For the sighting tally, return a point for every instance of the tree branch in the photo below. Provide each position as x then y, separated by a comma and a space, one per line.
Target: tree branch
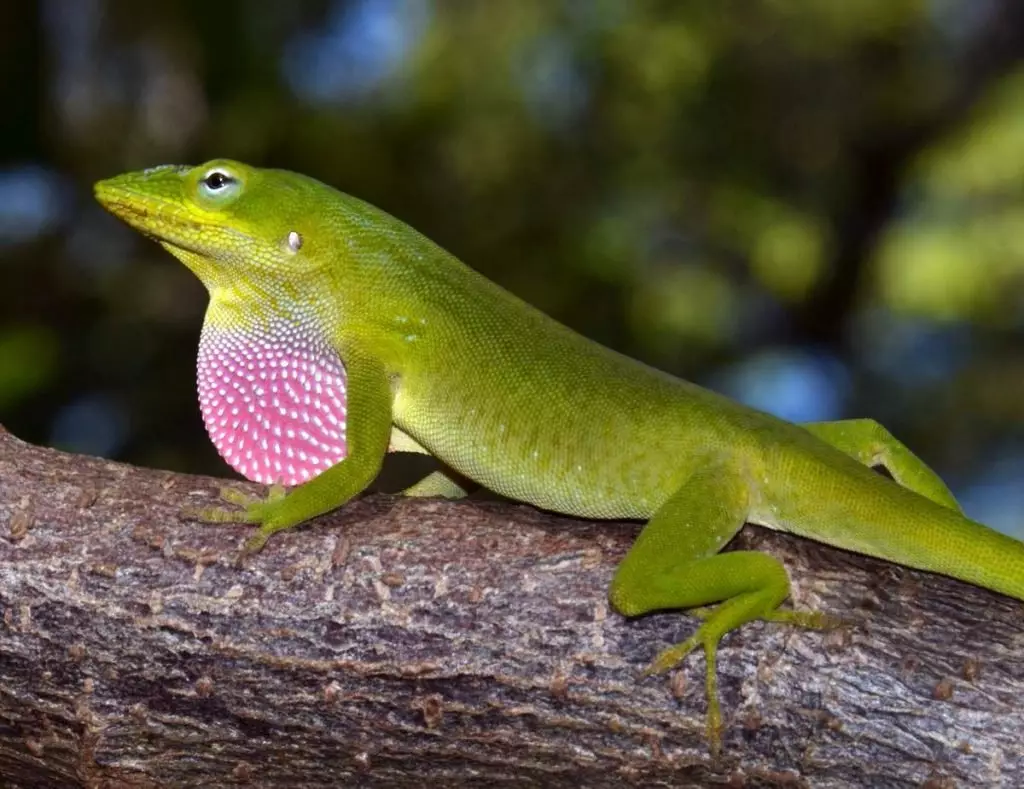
410, 643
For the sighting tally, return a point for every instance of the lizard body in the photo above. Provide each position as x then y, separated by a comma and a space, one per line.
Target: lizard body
334, 330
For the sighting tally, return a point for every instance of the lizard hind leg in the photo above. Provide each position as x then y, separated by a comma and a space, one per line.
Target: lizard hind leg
444, 482
675, 563
867, 442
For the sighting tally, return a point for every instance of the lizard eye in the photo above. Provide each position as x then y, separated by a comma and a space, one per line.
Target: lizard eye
217, 188
217, 180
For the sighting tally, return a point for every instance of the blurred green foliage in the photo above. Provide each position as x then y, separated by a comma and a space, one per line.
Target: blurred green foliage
813, 205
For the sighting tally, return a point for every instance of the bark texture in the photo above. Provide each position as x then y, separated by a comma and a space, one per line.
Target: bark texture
408, 642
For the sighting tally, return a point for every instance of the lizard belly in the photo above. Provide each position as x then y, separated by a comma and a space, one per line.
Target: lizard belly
573, 460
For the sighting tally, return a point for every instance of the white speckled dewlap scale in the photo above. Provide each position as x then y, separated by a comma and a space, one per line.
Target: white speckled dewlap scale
273, 402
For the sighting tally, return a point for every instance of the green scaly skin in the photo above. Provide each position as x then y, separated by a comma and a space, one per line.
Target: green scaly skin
443, 361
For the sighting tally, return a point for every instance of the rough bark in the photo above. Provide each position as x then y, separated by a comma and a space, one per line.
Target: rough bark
410, 643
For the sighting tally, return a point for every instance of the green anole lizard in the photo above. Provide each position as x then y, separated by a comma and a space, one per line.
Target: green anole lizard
335, 331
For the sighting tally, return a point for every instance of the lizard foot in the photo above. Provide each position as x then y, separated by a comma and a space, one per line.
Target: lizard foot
669, 658
255, 510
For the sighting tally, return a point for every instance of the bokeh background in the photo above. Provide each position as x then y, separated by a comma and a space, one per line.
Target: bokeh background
814, 206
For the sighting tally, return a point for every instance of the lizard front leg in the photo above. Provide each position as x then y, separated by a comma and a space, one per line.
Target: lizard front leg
368, 426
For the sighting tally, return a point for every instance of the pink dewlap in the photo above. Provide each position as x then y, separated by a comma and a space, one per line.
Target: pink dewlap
273, 403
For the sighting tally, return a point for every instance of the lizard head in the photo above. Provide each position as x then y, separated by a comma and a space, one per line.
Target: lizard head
272, 386
233, 225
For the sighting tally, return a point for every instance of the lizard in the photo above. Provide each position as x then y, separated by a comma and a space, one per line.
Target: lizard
335, 332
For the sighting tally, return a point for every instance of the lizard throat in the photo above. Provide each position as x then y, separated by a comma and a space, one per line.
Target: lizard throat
273, 400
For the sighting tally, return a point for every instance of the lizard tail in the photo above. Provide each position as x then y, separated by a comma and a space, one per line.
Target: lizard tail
860, 510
